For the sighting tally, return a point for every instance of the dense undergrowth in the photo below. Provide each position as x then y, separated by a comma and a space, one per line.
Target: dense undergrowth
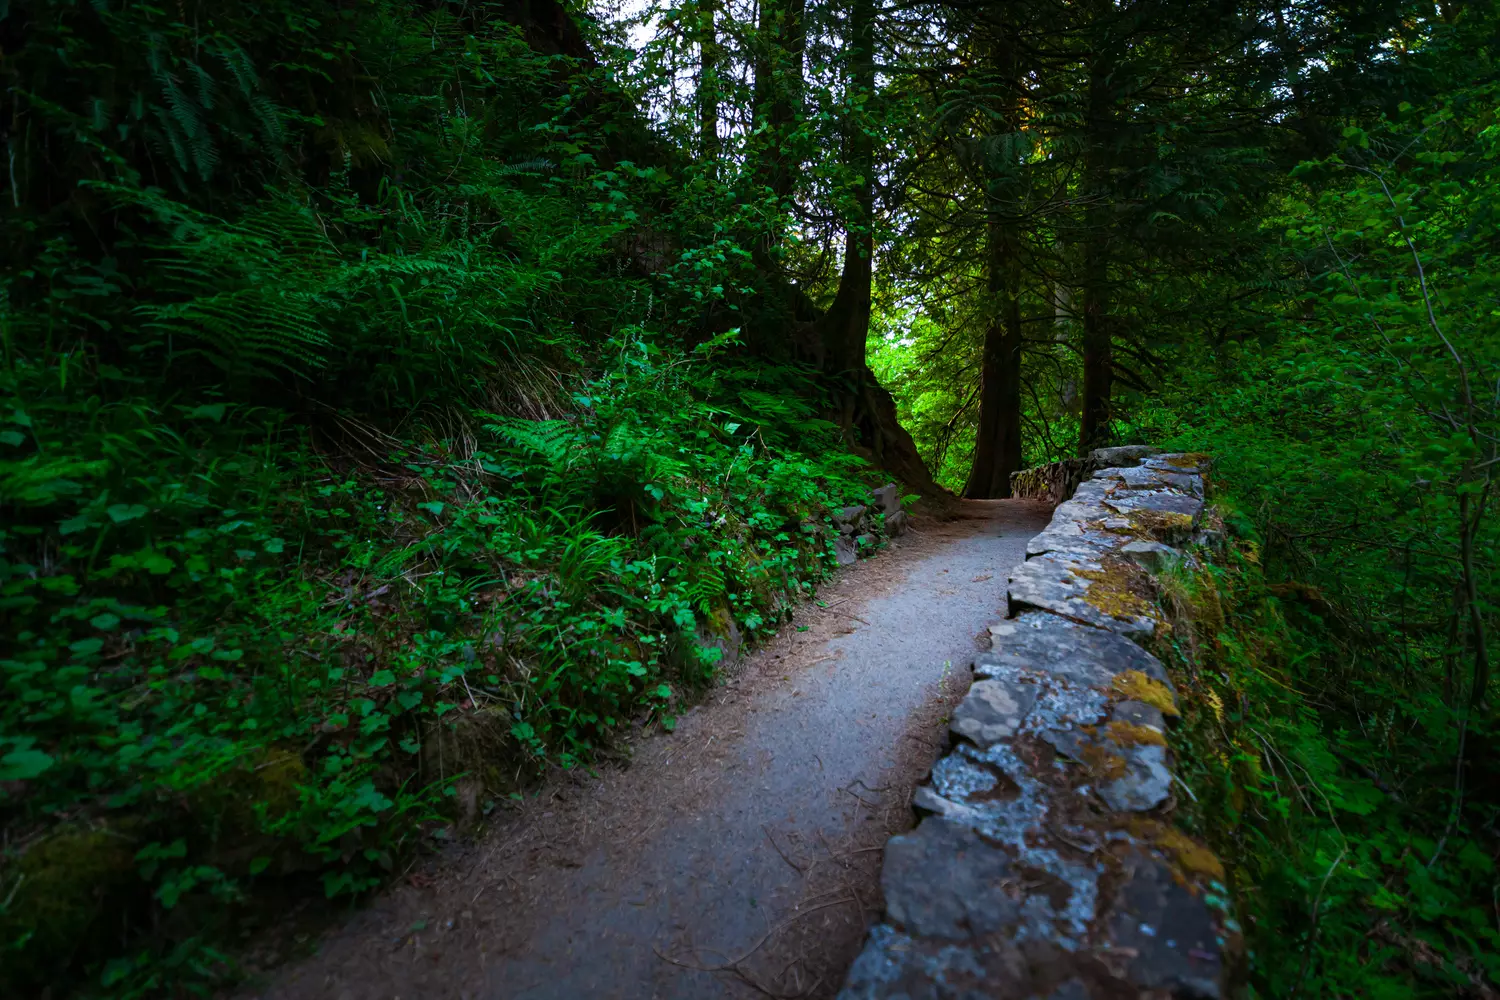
353, 469
1355, 873
1341, 659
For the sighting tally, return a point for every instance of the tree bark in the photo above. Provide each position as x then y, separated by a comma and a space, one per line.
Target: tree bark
1098, 361
867, 411
997, 443
1098, 348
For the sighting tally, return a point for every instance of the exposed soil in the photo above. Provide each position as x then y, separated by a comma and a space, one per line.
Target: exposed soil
735, 857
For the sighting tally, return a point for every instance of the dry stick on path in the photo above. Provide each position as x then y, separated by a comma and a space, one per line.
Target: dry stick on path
783, 925
795, 867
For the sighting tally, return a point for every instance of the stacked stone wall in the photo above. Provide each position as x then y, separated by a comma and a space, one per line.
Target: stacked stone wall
1045, 863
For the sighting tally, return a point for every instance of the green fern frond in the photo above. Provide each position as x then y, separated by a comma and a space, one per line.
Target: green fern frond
554, 441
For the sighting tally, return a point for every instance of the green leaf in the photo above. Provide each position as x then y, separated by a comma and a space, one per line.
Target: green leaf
382, 678
23, 765
156, 564
120, 513
208, 411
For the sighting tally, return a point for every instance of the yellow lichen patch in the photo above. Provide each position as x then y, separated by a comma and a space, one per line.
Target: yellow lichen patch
1103, 765
1129, 530
1162, 525
1188, 460
1193, 862
1128, 734
1133, 685
1192, 858
1110, 591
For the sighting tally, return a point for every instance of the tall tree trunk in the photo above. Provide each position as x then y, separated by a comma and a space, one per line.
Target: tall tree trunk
1098, 348
847, 323
710, 63
1098, 351
997, 443
868, 412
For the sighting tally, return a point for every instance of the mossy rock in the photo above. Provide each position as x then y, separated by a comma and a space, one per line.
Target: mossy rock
61, 891
235, 806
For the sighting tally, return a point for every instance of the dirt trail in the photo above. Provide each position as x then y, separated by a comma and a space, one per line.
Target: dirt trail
739, 855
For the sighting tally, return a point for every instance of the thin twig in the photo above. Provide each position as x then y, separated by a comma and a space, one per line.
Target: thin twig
734, 965
795, 867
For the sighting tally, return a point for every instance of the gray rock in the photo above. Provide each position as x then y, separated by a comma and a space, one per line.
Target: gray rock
897, 524
1043, 642
865, 544
1071, 537
993, 711
1073, 989
845, 551
1052, 582
1146, 783
1162, 501
1153, 556
1211, 539
888, 499
730, 643
941, 880
1138, 478
927, 801
1179, 462
1187, 482
1122, 455
1138, 713
896, 966
849, 515
1169, 931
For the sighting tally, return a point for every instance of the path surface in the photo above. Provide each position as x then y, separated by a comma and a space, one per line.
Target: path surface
736, 857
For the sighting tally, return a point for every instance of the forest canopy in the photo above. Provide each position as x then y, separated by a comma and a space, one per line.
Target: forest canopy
405, 397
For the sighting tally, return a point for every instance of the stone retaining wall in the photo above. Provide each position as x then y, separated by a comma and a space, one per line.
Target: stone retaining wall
1045, 863
1058, 480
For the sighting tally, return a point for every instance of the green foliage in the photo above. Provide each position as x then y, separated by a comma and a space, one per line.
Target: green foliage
1345, 728
345, 459
1326, 784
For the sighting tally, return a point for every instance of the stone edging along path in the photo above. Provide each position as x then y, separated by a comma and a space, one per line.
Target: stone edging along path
1045, 864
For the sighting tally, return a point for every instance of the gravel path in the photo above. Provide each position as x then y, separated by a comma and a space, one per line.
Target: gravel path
735, 857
